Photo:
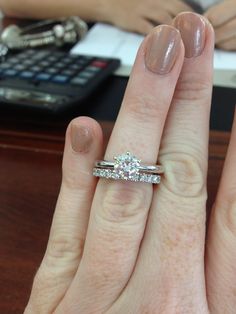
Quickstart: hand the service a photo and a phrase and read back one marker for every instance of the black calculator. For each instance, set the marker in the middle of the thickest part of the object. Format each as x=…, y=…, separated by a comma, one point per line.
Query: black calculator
x=51, y=80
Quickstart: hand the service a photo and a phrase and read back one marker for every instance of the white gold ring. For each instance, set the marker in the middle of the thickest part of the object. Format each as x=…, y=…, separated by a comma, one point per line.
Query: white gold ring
x=128, y=167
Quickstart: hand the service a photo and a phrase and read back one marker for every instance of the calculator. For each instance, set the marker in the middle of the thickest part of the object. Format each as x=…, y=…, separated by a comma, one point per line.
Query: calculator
x=52, y=80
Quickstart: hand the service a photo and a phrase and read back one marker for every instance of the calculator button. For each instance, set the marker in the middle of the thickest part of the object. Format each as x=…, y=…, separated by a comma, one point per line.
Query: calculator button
x=93, y=69
x=79, y=81
x=19, y=67
x=35, y=68
x=52, y=59
x=60, y=79
x=75, y=67
x=60, y=65
x=58, y=54
x=82, y=61
x=68, y=72
x=43, y=77
x=44, y=64
x=13, y=60
x=4, y=66
x=51, y=70
x=86, y=74
x=99, y=64
x=28, y=62
x=10, y=73
x=66, y=60
x=21, y=57
x=29, y=52
x=27, y=74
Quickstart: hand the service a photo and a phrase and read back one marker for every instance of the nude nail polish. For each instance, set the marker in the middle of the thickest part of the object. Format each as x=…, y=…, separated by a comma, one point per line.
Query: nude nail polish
x=162, y=49
x=81, y=138
x=193, y=32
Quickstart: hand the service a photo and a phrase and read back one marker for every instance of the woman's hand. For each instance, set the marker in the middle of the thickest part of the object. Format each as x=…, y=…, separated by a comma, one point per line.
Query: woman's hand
x=120, y=247
x=133, y=15
x=223, y=18
x=140, y=15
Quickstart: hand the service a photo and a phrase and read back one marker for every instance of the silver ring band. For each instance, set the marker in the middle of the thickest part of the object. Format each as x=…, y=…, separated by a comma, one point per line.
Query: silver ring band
x=111, y=174
x=129, y=168
x=143, y=168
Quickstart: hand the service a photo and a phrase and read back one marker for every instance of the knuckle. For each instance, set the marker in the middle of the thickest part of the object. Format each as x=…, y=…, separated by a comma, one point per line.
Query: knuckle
x=145, y=107
x=63, y=248
x=124, y=202
x=184, y=175
x=192, y=88
x=75, y=180
x=212, y=16
x=227, y=209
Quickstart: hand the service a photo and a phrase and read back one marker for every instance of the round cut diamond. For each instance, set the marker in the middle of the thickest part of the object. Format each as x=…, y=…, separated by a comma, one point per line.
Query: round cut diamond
x=126, y=167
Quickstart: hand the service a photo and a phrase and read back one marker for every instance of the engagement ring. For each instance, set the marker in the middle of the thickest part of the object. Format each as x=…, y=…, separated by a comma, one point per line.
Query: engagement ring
x=128, y=167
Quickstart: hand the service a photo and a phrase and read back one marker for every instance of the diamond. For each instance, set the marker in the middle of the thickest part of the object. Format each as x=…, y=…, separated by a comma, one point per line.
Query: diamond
x=127, y=167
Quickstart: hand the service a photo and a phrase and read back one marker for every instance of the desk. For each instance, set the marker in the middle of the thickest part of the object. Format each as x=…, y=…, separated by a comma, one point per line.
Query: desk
x=31, y=147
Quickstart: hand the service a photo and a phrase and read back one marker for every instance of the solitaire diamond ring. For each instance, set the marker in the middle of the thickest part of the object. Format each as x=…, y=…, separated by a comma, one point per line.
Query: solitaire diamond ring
x=128, y=167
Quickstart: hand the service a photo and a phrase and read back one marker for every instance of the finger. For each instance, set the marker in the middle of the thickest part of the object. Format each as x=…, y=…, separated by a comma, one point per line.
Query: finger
x=158, y=16
x=176, y=6
x=221, y=240
x=226, y=31
x=229, y=44
x=221, y=13
x=173, y=246
x=141, y=26
x=120, y=208
x=82, y=147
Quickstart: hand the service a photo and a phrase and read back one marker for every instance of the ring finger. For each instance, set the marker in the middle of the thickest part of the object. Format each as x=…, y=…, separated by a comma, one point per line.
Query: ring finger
x=119, y=211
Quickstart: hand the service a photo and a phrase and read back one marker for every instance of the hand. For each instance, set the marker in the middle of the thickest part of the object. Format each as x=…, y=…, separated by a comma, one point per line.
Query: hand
x=128, y=247
x=141, y=15
x=223, y=18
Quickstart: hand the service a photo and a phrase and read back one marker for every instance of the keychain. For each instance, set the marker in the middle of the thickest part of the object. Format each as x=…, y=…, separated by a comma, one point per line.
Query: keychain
x=61, y=31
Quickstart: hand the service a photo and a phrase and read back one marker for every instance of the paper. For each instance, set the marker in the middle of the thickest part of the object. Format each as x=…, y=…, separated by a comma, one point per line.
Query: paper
x=224, y=60
x=108, y=41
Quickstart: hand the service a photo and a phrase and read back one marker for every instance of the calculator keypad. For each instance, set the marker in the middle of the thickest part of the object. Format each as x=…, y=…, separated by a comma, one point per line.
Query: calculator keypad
x=57, y=68
x=51, y=80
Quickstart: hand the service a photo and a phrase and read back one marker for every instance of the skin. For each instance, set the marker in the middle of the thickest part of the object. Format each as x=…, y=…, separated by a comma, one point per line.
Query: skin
x=133, y=15
x=223, y=19
x=125, y=247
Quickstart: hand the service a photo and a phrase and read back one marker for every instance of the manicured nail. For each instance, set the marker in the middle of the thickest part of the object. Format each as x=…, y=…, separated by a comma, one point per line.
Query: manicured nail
x=162, y=50
x=193, y=32
x=81, y=138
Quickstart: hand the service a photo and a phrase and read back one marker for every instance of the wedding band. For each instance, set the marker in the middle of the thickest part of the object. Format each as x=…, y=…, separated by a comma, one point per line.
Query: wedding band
x=129, y=168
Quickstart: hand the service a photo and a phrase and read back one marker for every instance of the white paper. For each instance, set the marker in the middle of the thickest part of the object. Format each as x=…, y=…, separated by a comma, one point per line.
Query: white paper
x=108, y=41
x=224, y=60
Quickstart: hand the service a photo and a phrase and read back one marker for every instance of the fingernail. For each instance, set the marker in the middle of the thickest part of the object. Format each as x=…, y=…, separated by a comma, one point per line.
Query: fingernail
x=192, y=28
x=81, y=138
x=162, y=49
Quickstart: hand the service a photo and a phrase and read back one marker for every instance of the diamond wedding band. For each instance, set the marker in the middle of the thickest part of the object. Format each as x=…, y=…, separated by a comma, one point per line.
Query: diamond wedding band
x=128, y=167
